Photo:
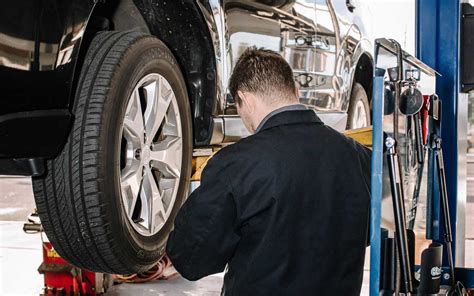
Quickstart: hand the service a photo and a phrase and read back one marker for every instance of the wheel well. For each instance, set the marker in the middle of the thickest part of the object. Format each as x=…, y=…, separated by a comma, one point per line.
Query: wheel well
x=181, y=26
x=364, y=74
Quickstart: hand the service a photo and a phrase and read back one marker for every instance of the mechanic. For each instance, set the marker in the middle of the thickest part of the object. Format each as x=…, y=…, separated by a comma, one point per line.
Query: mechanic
x=287, y=208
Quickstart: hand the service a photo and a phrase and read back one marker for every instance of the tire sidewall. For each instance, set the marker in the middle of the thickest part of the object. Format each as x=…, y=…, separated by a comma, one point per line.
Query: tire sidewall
x=147, y=55
x=358, y=94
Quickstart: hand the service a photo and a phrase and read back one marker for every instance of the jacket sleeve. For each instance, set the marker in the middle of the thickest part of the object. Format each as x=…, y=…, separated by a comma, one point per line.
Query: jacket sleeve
x=204, y=237
x=365, y=159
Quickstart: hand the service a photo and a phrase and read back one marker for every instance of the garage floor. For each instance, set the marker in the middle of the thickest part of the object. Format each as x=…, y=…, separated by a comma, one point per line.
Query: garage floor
x=20, y=254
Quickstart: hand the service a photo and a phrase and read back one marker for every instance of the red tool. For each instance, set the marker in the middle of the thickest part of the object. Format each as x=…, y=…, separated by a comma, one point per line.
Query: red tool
x=424, y=117
x=61, y=278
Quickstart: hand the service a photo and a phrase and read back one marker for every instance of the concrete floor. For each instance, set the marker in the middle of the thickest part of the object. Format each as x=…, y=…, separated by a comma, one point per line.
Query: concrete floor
x=20, y=253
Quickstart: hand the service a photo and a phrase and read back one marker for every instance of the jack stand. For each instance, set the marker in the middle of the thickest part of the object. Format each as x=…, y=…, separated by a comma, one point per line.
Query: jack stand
x=60, y=277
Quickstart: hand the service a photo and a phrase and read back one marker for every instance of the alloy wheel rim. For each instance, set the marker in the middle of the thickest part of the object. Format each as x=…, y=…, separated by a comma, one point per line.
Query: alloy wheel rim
x=359, y=120
x=151, y=154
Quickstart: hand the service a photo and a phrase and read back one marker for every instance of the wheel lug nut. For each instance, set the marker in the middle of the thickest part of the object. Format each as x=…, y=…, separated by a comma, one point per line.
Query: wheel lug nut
x=138, y=153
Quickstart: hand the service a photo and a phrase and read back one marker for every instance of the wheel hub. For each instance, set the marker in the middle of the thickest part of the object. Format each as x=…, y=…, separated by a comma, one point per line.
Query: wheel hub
x=145, y=156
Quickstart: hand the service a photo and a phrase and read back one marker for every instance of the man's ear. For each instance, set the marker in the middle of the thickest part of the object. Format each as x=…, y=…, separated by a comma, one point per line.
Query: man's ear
x=246, y=99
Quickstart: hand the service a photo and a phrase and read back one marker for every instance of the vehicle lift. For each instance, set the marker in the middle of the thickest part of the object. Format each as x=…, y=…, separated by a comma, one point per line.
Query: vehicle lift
x=439, y=25
x=60, y=277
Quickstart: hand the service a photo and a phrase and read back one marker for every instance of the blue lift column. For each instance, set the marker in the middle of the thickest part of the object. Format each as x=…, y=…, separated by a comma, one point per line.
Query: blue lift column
x=438, y=46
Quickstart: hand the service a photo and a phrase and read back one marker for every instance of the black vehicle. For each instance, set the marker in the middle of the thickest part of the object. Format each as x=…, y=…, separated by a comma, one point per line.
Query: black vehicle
x=103, y=103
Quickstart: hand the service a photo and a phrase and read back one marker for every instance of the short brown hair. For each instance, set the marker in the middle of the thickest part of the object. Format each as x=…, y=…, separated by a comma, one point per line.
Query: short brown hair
x=265, y=73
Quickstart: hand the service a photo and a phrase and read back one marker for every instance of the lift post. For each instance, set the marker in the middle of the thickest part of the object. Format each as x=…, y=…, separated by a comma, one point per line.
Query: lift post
x=438, y=45
x=376, y=184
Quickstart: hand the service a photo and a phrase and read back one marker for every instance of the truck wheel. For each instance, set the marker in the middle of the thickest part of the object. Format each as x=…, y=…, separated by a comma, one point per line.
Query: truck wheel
x=108, y=201
x=359, y=109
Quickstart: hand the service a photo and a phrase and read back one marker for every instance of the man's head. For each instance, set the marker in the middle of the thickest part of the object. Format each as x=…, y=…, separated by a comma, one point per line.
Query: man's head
x=261, y=82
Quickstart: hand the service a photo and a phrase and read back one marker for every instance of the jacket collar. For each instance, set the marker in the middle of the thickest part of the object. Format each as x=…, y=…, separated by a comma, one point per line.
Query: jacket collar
x=291, y=117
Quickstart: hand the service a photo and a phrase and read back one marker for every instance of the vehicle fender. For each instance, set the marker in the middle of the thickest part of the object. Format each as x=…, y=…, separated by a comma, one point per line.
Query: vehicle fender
x=41, y=42
x=362, y=65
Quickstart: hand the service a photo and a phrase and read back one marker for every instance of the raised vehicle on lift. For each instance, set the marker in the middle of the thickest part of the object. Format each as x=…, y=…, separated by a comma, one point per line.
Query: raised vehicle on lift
x=103, y=103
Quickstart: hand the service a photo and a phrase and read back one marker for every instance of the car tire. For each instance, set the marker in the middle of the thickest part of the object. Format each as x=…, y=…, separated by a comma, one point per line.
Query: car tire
x=358, y=115
x=89, y=210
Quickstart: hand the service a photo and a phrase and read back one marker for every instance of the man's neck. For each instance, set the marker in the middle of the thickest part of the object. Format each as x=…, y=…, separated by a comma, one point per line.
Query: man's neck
x=269, y=109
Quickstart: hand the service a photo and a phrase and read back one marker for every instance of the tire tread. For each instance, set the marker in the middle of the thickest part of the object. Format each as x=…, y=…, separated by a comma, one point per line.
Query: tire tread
x=68, y=196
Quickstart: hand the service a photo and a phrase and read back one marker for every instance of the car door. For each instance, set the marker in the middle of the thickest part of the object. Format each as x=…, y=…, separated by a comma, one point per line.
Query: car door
x=336, y=26
x=326, y=47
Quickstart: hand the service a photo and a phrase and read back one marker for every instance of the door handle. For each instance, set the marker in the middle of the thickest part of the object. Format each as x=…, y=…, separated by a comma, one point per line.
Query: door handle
x=350, y=5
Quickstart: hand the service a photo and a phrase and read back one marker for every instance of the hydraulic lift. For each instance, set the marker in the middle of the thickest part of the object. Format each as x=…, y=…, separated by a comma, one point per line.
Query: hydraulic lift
x=444, y=29
x=60, y=277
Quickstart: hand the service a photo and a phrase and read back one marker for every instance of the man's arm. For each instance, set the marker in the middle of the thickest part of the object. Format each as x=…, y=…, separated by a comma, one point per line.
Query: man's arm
x=365, y=159
x=204, y=236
